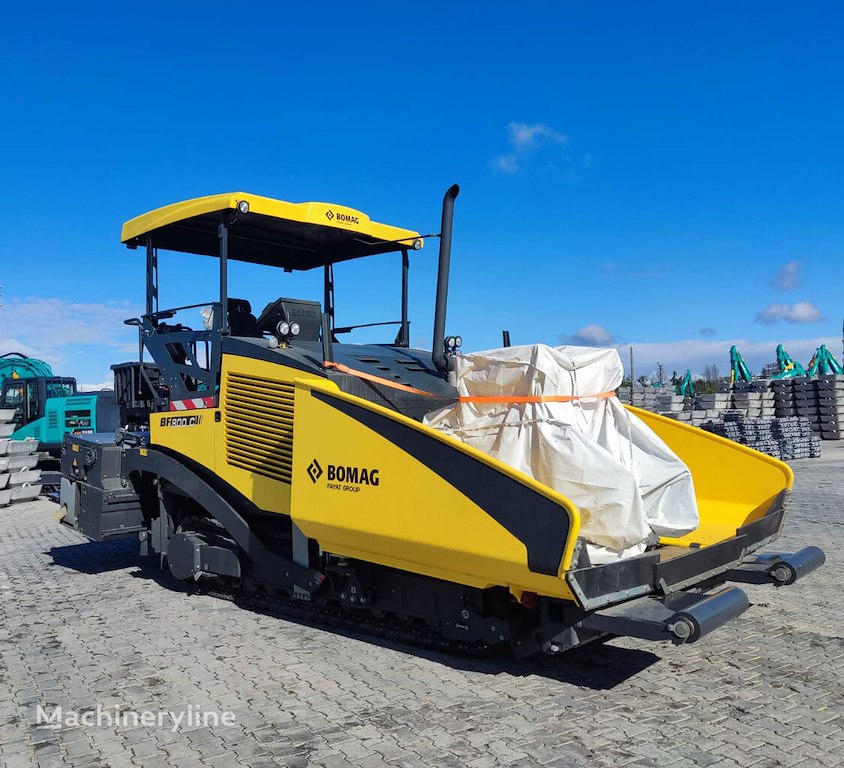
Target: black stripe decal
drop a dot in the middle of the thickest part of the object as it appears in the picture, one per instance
(538, 522)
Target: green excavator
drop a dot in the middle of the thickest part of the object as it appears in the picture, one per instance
(738, 368)
(786, 367)
(685, 386)
(46, 407)
(823, 362)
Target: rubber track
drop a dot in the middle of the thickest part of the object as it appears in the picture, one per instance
(329, 614)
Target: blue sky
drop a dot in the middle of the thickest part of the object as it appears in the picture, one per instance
(665, 175)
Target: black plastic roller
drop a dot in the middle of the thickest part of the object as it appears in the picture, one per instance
(795, 566)
(709, 613)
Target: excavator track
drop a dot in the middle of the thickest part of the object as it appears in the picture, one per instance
(329, 614)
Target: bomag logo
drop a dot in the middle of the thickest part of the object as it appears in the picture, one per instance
(181, 421)
(314, 471)
(339, 477)
(346, 218)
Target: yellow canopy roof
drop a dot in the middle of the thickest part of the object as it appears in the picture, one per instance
(267, 231)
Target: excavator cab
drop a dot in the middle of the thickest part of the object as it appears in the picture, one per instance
(28, 396)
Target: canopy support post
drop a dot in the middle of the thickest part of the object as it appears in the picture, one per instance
(404, 333)
(223, 234)
(152, 278)
(328, 295)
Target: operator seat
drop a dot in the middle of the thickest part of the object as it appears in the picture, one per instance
(241, 320)
(307, 313)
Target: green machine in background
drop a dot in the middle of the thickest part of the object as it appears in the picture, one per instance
(685, 386)
(823, 362)
(738, 368)
(48, 407)
(786, 367)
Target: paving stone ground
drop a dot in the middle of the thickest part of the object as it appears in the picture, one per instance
(84, 624)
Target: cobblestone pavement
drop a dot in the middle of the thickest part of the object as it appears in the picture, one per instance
(84, 624)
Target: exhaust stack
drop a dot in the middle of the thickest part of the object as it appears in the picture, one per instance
(438, 347)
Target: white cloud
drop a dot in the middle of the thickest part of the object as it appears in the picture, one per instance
(8, 344)
(524, 136)
(788, 278)
(107, 383)
(506, 163)
(801, 312)
(526, 139)
(71, 336)
(590, 335)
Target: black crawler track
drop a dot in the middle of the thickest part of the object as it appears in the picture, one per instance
(325, 613)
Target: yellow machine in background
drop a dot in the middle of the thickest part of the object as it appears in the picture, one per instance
(261, 451)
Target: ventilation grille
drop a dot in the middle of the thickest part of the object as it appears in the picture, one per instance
(52, 420)
(258, 419)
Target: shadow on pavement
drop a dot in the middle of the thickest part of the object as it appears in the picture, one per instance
(101, 557)
(599, 666)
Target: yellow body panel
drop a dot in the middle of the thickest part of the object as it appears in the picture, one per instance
(204, 443)
(190, 433)
(734, 484)
(322, 214)
(413, 519)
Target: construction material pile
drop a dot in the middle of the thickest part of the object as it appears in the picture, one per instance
(753, 397)
(831, 405)
(762, 414)
(642, 397)
(19, 480)
(785, 438)
(820, 401)
(551, 414)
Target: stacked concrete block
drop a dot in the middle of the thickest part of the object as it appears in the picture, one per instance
(784, 402)
(806, 400)
(830, 393)
(643, 397)
(19, 479)
(712, 405)
(768, 402)
(778, 417)
(639, 396)
(674, 406)
(756, 397)
(718, 401)
(784, 438)
(668, 402)
(797, 441)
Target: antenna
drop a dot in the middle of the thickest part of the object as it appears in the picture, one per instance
(632, 380)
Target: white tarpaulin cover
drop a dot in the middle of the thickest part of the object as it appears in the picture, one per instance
(626, 481)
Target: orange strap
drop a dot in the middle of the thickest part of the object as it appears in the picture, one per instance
(534, 398)
(376, 379)
(479, 399)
